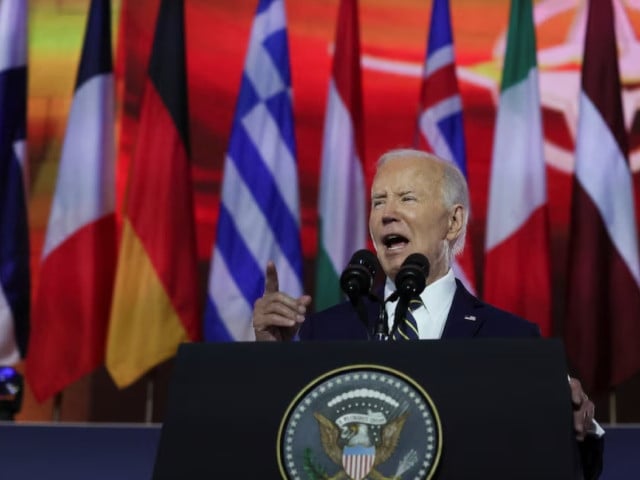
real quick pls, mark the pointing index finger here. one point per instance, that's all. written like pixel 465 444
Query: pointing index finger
pixel 271 278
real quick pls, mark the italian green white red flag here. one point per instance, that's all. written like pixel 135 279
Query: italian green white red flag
pixel 342 204
pixel 517 272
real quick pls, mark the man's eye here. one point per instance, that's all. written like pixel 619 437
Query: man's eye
pixel 408 198
pixel 377 203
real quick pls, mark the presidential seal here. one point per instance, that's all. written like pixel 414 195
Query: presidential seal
pixel 360 422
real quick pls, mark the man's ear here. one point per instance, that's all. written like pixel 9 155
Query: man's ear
pixel 456 220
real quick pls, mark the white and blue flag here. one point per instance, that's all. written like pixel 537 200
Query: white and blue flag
pixel 14 229
pixel 259 216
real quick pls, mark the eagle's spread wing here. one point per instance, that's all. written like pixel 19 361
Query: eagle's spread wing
pixel 389 438
pixel 329 434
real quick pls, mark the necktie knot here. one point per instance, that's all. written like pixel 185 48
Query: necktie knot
pixel 408 327
pixel 414 304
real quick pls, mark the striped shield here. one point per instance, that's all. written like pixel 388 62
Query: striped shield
pixel 358 461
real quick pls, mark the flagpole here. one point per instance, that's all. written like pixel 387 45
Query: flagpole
pixel 149 403
pixel 57 407
pixel 613 410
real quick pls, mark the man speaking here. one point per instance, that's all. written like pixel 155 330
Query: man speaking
pixel 419 205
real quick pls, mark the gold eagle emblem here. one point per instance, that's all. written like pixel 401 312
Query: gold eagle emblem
pixel 334 439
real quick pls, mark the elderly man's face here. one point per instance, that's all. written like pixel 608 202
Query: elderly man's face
pixel 408 215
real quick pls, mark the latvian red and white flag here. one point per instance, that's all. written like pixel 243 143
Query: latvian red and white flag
pixel 517 266
pixel 602 329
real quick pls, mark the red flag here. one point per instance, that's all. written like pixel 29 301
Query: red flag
pixel 602 331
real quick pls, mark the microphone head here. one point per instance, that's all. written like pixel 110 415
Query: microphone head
pixel 357 278
pixel 412 276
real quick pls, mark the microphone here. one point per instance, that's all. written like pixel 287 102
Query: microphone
pixel 412 276
pixel 410 282
pixel 357 279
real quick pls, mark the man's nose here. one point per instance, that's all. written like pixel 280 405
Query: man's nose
pixel 389 214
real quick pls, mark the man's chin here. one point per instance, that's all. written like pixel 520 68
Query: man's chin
pixel 391 271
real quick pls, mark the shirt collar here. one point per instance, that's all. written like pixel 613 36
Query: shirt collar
pixel 436 297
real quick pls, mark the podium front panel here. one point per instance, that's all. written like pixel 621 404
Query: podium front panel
pixel 503 405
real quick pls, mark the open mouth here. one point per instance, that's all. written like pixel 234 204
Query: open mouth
pixel 394 241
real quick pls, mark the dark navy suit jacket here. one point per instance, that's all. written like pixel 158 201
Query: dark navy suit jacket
pixel 468 317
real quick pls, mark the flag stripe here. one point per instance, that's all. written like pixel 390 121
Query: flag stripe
pixel 13 34
pixel 142 333
pixel 602 325
pixel 87 153
pixel 346 69
pixel 520 56
pixel 601 158
pixel 518 182
pixel 518 273
pixel 71 309
pixel 438 84
pixel 600 72
pixel 441 58
pixel 167 66
pixel 96 55
pixel 343 230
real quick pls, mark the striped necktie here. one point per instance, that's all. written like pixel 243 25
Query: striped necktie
pixel 408 328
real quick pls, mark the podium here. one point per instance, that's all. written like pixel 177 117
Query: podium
pixel 494 409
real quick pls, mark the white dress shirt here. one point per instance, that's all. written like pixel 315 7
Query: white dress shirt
pixel 436 303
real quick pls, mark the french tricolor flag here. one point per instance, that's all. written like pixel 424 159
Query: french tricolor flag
pixel 72 301
pixel 14 236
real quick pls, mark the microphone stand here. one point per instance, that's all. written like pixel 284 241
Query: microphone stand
pixel 358 305
pixel 381 329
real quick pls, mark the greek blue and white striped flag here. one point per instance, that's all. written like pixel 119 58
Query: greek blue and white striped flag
pixel 14 229
pixel 259 210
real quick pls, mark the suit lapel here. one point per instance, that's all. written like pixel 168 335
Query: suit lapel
pixel 465 316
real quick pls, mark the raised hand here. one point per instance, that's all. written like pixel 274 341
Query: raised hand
pixel 276 315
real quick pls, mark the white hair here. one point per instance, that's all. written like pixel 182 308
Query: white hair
pixel 454 187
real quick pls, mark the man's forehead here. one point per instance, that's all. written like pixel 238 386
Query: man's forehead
pixel 406 169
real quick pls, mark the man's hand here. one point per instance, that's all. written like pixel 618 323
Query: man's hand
pixel 583 410
pixel 276 315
